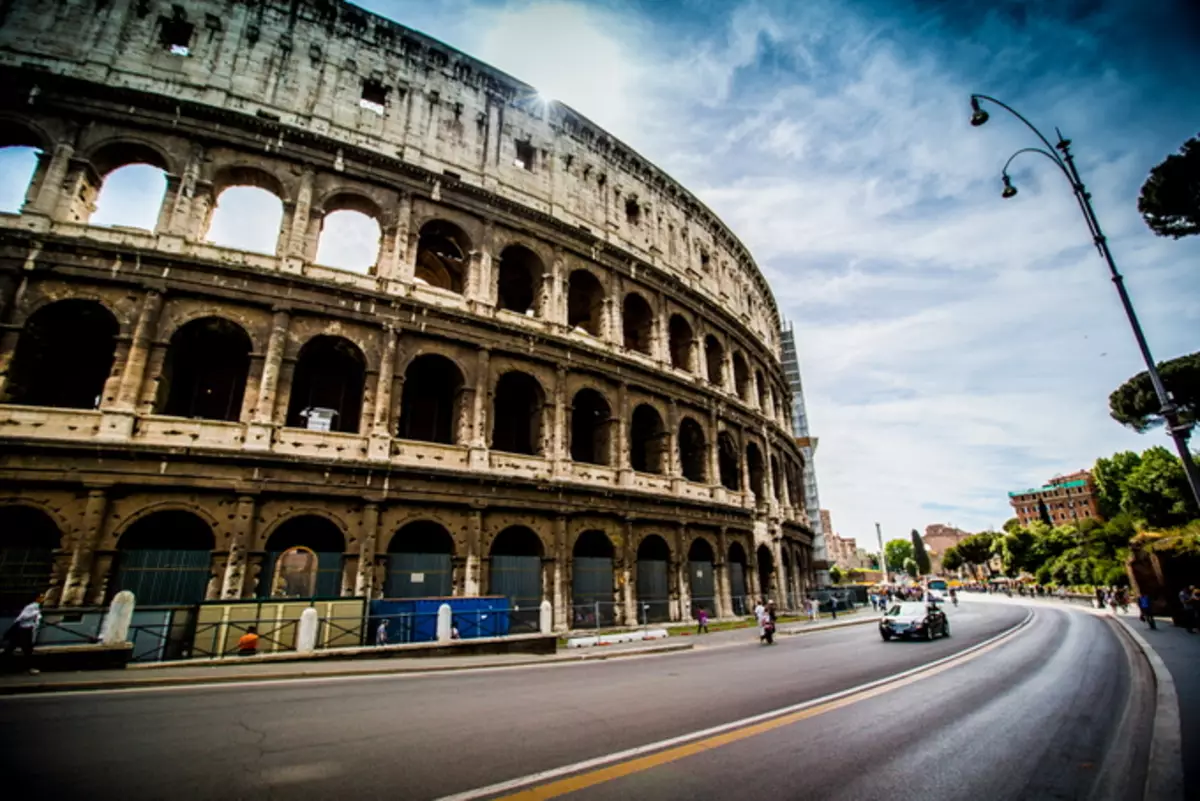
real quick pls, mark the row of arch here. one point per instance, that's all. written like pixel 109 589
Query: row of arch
pixel 128 182
pixel 207 366
pixel 165 558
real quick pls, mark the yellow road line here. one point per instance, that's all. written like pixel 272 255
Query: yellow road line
pixel 591 778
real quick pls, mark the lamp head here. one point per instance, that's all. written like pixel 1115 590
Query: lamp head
pixel 978 115
pixel 1009 190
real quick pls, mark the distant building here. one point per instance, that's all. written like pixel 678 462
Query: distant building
pixel 1065 499
pixel 817 518
pixel 937 539
pixel 843 551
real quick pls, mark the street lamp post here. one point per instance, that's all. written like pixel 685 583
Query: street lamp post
pixel 1066 164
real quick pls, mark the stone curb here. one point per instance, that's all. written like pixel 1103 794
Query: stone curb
pixel 1164 773
pixel 218 678
pixel 858 621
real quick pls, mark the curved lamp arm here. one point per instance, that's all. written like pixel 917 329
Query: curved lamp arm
pixel 1048 154
pixel 976 98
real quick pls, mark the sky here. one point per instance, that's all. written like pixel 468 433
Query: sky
pixel 954 345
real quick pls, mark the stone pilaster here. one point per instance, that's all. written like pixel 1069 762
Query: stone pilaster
pixel 258 434
pixel 382 423
pixel 369 536
pixel 240 541
pixel 119 415
pixel 473 578
pixel 79 573
pixel 479 417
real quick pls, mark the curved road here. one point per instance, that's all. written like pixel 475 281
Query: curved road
pixel 1060 709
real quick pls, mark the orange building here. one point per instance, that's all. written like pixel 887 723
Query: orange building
pixel 1065 499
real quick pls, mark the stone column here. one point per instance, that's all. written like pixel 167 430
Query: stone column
pixel 258 433
pixel 119 416
pixel 561 595
pixel 724 593
pixel 50 188
pixel 780 582
pixel 155 365
pixel 473 579
pixel 744 466
pixel 478 456
pixel 381 422
pixel 628 578
pixel 368 537
pixel 683 575
pixel 673 463
pixel 753 587
pixel 559 455
pixel 176 216
pixel 406 238
pixel 623 463
pixel 714 455
pixel 75 585
pixel 293 232
pixel 557 312
pixel 234 582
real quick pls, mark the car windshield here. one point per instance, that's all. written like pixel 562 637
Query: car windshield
pixel 906 610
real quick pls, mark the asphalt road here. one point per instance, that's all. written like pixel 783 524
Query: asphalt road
pixel 1059 710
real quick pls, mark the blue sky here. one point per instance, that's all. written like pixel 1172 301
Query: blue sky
pixel 954 345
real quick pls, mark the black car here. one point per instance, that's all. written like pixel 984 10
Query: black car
pixel 914 619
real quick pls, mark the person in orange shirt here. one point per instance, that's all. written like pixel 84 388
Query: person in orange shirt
pixel 248 642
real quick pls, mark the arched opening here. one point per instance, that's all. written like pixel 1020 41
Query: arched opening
pixel 777 398
pixel 431 401
pixel 714 360
pixel 519 279
pixel 420 562
pixel 591 423
pixel 327 386
pixel 789 577
pixel 515 572
pixel 754 466
pixel 766 571
pixel 248 212
pixel 28 540
pixel 131 196
pixel 77 338
pixel 349 240
pixel 592 585
pixel 775 482
pixel 18 165
pixel 517 414
pixel 693 451
pixel 637 321
pixel 793 485
pixel 585 303
pixel 164 559
pixel 741 377
pixel 647 441
pixel 442 256
pixel 742 603
pixel 653 586
pixel 303 560
pixel 729 462
pixel 761 383
pixel 205 372
pixel 680 332
pixel 701 581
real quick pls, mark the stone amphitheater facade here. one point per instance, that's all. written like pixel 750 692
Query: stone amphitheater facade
pixel 560 361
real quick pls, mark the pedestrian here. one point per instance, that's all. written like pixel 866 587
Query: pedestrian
pixel 1188 600
pixel 833 602
pixel 702 620
pixel 760 614
pixel 814 609
pixel 381 633
pixel 247 644
pixel 1111 598
pixel 1146 609
pixel 1099 597
pixel 23 632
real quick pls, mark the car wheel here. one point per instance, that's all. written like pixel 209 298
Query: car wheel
pixel 945 629
pixel 929 633
pixel 887 635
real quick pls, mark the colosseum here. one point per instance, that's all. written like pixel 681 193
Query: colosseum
pixel 558 379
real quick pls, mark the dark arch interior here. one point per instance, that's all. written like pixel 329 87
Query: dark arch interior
pixel 754 464
pixel 647 440
pixel 517 414
pixel 318 534
pixel 64 356
pixel 442 255
pixel 737 553
pixel 653 581
pixel 591 420
pixel 330 374
pixel 520 275
pixel 737 579
pixel 593 544
pixel 420 562
pixel 585 302
pixel 429 406
pixel 681 342
pixel 761 383
pixel 638 323
pixel 766 569
pixel 515 571
pixel 205 372
pixel 517 541
pixel 714 358
pixel 164 559
pixel 700 551
pixel 653 548
pixel 741 377
pixel 28 539
pixel 692 450
pixel 727 459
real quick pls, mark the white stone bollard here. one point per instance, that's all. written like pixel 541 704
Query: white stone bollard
pixel 116 623
pixel 306 632
pixel 546 617
pixel 443 623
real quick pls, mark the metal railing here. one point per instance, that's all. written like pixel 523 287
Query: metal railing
pixel 594 615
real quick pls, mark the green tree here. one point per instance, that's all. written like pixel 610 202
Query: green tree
pixel 896 551
pixel 910 567
pixel 1135 404
pixel 952 559
pixel 835 574
pixel 976 550
pixel 1011 525
pixel 1157 490
pixel 1110 475
pixel 920 555
pixel 1017 552
pixel 1170 199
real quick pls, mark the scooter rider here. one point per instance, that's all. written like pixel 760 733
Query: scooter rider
pixel 954 596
